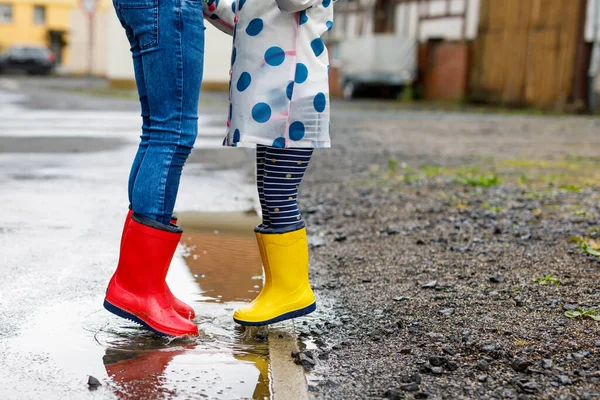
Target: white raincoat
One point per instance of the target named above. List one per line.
(279, 87)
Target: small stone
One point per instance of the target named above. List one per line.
(451, 365)
(446, 312)
(482, 378)
(416, 378)
(437, 370)
(499, 278)
(414, 329)
(519, 301)
(316, 242)
(563, 380)
(597, 343)
(520, 365)
(494, 293)
(422, 395)
(304, 359)
(429, 285)
(394, 395)
(437, 361)
(488, 348)
(420, 242)
(528, 387)
(580, 355)
(390, 230)
(448, 350)
(401, 298)
(410, 387)
(340, 237)
(436, 336)
(348, 213)
(547, 363)
(93, 383)
(483, 365)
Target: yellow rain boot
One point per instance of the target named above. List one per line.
(286, 293)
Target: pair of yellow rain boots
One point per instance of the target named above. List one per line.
(286, 292)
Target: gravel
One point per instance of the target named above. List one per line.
(452, 266)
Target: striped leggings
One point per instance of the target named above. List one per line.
(279, 173)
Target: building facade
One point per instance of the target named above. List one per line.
(36, 22)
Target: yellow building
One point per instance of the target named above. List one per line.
(39, 22)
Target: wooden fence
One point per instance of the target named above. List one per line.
(527, 52)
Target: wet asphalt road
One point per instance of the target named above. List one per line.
(64, 159)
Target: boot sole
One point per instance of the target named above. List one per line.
(124, 314)
(283, 317)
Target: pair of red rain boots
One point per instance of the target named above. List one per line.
(138, 291)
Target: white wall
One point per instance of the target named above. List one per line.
(448, 28)
(119, 65)
(407, 22)
(217, 54)
(79, 48)
(593, 5)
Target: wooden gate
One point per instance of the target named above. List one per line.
(526, 52)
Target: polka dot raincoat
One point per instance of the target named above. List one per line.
(279, 88)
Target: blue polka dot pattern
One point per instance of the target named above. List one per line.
(274, 56)
(289, 91)
(244, 81)
(236, 136)
(242, 2)
(279, 142)
(233, 56)
(329, 25)
(303, 17)
(326, 3)
(297, 130)
(255, 27)
(320, 102)
(261, 112)
(318, 46)
(233, 6)
(301, 73)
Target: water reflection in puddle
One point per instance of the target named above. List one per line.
(223, 269)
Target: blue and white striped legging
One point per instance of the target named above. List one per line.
(279, 173)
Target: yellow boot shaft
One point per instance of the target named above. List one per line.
(286, 292)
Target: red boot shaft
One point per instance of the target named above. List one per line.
(179, 306)
(137, 290)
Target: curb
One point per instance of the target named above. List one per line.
(287, 379)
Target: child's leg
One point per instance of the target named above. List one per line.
(283, 173)
(261, 152)
(283, 245)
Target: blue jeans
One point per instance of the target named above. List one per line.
(167, 44)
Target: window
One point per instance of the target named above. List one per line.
(39, 15)
(6, 13)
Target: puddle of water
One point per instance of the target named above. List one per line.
(225, 361)
(69, 341)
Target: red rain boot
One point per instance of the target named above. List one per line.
(179, 306)
(137, 289)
